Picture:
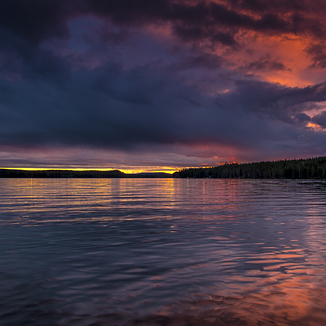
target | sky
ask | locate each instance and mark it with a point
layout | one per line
(143, 85)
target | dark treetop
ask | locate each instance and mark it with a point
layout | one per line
(314, 168)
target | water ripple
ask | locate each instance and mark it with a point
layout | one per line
(162, 252)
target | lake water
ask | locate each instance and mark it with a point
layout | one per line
(162, 252)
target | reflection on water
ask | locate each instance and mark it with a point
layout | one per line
(162, 252)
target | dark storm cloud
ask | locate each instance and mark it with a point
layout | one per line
(202, 14)
(320, 119)
(298, 17)
(106, 107)
(25, 25)
(275, 101)
(302, 118)
(38, 20)
(202, 60)
(26, 61)
(215, 22)
(317, 53)
(265, 63)
(109, 107)
(267, 5)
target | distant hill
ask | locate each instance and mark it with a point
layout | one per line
(150, 175)
(12, 173)
(313, 168)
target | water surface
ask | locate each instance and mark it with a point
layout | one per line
(162, 252)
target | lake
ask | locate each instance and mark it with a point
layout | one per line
(162, 252)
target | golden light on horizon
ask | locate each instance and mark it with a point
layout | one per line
(167, 169)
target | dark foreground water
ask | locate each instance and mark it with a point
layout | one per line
(162, 252)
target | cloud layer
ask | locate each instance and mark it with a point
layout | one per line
(165, 84)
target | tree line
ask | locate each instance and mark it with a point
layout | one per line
(313, 168)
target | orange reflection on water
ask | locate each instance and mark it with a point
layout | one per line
(101, 199)
(261, 298)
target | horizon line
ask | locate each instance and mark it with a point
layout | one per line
(127, 171)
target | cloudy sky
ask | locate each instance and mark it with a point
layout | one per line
(160, 85)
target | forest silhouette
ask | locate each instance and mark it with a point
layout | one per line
(313, 168)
